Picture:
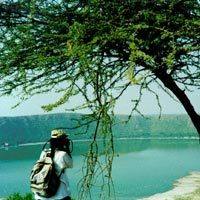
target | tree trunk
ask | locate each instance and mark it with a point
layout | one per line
(169, 83)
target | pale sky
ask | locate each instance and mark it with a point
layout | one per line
(147, 106)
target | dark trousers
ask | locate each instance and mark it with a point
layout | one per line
(66, 198)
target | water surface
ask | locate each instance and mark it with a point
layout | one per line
(141, 167)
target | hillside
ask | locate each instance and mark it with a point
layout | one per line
(152, 126)
(36, 128)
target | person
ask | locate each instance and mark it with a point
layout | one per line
(59, 145)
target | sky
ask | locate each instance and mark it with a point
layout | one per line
(147, 106)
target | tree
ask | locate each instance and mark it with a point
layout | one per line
(98, 49)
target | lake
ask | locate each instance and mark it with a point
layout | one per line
(141, 167)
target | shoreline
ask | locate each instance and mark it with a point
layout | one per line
(181, 188)
(128, 138)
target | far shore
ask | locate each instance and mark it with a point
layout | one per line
(183, 188)
(129, 138)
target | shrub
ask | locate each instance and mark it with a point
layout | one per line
(17, 196)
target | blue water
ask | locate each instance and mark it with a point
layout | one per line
(141, 167)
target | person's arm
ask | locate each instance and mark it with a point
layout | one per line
(68, 161)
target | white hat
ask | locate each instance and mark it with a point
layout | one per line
(58, 134)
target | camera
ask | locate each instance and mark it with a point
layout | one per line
(68, 145)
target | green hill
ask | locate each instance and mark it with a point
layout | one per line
(36, 128)
(152, 126)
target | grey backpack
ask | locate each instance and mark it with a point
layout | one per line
(43, 179)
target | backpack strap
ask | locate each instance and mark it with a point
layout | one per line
(52, 152)
(45, 144)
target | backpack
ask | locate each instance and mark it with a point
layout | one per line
(44, 180)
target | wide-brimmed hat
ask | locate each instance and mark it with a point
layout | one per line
(57, 133)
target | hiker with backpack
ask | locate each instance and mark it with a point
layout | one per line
(49, 175)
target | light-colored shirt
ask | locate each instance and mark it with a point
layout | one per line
(62, 161)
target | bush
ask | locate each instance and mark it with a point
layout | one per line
(17, 196)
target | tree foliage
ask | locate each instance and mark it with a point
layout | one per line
(98, 49)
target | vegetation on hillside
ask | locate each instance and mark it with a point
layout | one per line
(37, 128)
